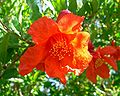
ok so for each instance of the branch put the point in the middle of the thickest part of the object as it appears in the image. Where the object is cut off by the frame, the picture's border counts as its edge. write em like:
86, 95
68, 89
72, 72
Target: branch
99, 90
17, 57
13, 62
11, 31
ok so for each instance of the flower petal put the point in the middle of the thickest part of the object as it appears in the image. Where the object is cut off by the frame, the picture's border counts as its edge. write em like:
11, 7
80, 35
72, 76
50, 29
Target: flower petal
81, 54
31, 58
107, 50
67, 60
111, 61
53, 69
90, 47
70, 23
118, 52
82, 59
42, 29
90, 72
24, 69
41, 66
103, 71
81, 40
62, 13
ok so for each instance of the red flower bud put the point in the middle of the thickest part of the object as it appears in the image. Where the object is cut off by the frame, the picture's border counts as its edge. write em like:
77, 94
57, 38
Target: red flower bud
62, 13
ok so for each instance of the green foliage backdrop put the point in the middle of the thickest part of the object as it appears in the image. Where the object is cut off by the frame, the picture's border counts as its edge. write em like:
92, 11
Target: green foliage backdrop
102, 21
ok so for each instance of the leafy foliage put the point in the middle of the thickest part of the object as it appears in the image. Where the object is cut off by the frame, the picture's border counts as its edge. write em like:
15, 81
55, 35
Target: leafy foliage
102, 21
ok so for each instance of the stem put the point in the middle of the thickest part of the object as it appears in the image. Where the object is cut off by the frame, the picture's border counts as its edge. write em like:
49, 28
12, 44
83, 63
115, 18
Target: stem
17, 57
11, 31
13, 62
99, 90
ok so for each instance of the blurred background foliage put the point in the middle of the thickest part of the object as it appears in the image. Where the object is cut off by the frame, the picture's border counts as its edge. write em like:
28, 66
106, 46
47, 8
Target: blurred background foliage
102, 21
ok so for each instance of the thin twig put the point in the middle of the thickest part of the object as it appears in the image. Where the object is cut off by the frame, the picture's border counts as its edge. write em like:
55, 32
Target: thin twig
11, 31
13, 62
99, 90
17, 57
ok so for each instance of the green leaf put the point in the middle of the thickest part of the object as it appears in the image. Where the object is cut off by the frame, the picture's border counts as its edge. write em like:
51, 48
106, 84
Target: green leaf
63, 4
72, 5
47, 84
117, 35
9, 73
93, 34
59, 4
36, 75
81, 11
3, 81
35, 9
94, 5
8, 44
15, 24
13, 41
87, 7
3, 48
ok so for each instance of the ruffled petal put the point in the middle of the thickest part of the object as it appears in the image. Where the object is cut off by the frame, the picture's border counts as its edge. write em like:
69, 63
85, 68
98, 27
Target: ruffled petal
60, 37
24, 69
81, 40
118, 52
62, 13
90, 72
42, 29
103, 71
111, 61
70, 23
107, 50
53, 69
31, 58
82, 57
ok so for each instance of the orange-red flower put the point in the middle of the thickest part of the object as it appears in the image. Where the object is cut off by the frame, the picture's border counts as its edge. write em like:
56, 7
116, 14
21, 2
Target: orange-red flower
97, 66
58, 48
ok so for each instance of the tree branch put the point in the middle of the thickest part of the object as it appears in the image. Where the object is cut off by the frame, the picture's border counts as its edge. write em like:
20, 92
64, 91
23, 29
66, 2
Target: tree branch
11, 31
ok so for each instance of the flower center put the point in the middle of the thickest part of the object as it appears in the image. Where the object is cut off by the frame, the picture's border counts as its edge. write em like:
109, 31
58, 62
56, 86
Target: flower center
59, 47
98, 62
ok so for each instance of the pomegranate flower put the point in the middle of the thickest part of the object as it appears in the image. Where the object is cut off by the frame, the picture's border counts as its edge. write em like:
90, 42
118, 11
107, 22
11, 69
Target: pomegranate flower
58, 48
97, 66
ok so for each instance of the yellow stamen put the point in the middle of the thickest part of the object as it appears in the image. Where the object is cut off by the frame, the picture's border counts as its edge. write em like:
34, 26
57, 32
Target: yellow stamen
99, 62
60, 49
